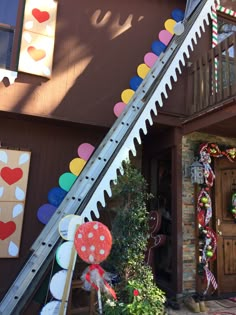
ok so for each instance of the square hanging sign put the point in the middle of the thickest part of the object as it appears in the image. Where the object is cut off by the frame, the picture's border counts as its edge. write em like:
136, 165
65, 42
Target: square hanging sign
14, 170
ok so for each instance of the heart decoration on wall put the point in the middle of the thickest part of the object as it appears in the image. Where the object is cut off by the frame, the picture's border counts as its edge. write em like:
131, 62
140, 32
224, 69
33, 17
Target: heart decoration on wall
36, 54
11, 175
14, 170
40, 16
38, 37
7, 229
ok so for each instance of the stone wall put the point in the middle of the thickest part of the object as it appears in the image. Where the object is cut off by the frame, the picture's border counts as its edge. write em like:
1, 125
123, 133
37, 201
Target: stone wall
190, 147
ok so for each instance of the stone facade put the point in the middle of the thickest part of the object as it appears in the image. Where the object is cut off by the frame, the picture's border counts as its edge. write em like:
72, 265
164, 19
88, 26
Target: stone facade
190, 147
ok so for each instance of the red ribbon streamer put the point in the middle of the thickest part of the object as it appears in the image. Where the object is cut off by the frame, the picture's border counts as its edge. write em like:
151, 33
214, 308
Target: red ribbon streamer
210, 279
101, 273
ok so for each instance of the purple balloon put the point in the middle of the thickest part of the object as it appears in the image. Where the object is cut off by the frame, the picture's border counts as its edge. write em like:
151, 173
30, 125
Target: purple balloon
45, 213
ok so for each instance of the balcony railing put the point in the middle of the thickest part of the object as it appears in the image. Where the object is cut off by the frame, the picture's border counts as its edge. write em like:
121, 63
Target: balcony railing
213, 77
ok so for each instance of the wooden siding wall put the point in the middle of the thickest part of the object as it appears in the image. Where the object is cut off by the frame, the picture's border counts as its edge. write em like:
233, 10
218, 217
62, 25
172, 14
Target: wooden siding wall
52, 147
98, 46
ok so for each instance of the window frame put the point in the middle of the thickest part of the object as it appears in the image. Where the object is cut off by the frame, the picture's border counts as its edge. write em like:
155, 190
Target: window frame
17, 31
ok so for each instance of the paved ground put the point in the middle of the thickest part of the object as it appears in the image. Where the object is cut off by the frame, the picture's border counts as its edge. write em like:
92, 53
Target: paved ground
219, 307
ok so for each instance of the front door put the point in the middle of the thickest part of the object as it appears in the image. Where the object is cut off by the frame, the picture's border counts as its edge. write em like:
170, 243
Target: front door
225, 186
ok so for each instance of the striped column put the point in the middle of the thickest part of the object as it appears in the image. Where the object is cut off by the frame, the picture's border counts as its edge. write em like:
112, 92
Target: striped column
225, 10
214, 44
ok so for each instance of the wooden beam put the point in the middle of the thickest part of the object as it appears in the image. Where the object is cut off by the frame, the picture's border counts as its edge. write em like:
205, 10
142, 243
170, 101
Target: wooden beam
210, 118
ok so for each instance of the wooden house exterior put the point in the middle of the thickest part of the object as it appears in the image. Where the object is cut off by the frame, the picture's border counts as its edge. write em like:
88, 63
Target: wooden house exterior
93, 49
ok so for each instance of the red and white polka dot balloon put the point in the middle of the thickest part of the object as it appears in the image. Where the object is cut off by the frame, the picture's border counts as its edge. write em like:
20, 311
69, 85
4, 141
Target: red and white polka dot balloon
93, 242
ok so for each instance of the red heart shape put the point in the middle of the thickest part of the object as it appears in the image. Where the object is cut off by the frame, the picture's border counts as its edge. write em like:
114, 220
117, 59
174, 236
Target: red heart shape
7, 229
11, 176
41, 16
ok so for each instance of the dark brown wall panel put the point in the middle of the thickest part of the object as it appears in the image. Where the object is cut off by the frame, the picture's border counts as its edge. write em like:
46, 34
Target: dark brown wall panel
52, 146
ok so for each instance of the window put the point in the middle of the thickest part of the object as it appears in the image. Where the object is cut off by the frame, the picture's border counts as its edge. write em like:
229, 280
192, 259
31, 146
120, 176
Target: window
10, 17
226, 27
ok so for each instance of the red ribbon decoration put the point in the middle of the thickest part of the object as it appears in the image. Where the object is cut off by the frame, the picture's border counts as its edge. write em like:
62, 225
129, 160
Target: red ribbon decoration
213, 237
204, 212
210, 279
101, 273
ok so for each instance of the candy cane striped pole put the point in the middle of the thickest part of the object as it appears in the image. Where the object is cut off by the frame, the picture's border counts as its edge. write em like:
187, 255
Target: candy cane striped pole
225, 10
214, 43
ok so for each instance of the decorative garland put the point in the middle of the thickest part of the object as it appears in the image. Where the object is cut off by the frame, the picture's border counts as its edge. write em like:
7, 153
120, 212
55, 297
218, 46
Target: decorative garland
208, 237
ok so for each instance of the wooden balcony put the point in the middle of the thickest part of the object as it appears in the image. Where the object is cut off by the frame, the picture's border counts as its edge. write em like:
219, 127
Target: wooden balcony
213, 78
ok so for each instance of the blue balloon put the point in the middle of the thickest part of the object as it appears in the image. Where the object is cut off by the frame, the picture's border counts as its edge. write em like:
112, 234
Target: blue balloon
45, 212
177, 15
56, 195
158, 47
135, 82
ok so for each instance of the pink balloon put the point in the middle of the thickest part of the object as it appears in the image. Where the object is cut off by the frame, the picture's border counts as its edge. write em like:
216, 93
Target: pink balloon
118, 108
165, 37
85, 150
150, 58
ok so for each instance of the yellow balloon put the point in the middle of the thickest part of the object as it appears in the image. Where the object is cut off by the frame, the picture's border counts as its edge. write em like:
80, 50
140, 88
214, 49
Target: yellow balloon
143, 70
169, 25
76, 166
126, 95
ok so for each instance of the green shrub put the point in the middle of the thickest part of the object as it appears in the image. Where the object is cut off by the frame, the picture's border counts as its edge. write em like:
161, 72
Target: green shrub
136, 291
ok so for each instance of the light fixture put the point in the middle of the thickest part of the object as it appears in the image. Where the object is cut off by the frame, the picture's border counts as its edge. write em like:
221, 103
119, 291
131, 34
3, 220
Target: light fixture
197, 172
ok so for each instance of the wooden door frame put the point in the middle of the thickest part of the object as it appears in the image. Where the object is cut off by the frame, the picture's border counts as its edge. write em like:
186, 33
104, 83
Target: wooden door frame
171, 140
218, 203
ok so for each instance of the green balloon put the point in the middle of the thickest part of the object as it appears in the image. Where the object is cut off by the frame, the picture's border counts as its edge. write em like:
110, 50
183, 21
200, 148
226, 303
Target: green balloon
66, 180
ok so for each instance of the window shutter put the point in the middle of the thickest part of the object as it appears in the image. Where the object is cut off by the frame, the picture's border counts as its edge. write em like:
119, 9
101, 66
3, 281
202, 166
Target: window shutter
38, 35
14, 166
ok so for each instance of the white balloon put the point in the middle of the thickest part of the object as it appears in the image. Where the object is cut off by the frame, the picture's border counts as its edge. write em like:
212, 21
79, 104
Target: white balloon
179, 28
63, 254
74, 223
67, 226
51, 308
57, 284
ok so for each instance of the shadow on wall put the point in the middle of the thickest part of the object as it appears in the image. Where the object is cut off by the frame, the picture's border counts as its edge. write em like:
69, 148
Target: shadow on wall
112, 39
